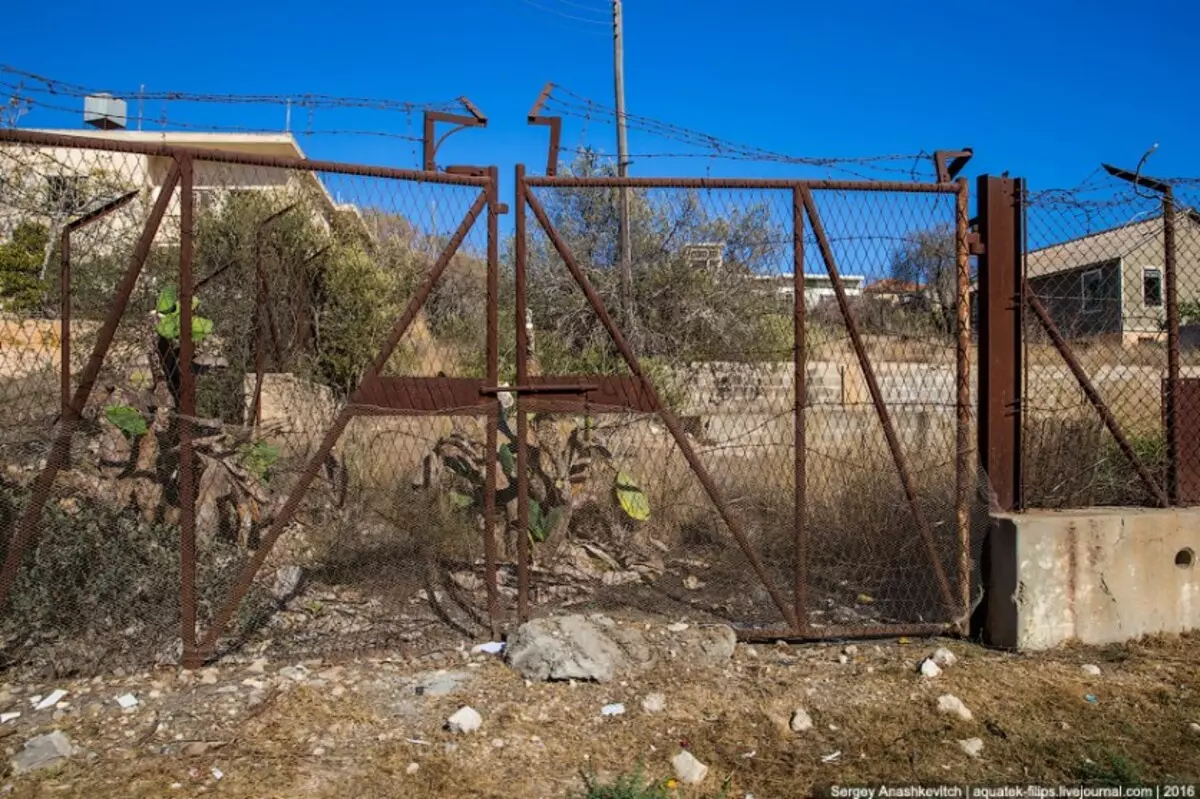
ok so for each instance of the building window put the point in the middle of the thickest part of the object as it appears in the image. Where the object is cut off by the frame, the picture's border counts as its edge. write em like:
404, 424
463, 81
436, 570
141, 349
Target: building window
1092, 284
1152, 288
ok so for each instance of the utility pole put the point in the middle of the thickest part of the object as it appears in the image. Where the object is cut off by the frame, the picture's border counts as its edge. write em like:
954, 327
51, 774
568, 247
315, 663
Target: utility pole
625, 235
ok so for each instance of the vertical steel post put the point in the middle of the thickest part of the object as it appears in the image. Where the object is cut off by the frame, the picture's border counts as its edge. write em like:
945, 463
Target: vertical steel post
1000, 320
1172, 301
187, 412
962, 461
522, 532
799, 400
493, 376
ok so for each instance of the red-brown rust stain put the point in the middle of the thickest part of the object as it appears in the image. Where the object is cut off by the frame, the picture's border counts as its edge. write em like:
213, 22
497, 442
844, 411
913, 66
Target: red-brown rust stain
1072, 568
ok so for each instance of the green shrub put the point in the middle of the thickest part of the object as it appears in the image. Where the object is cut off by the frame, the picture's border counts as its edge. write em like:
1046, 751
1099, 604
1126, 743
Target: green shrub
21, 288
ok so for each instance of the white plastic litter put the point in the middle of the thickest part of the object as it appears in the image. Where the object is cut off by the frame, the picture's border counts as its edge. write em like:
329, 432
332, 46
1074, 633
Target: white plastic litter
615, 709
490, 648
127, 701
50, 701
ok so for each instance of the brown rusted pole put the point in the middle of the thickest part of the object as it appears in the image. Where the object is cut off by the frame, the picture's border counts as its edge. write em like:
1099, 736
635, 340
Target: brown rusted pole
799, 400
520, 245
40, 491
493, 376
296, 495
187, 412
962, 461
1089, 390
885, 420
1172, 301
246, 159
668, 418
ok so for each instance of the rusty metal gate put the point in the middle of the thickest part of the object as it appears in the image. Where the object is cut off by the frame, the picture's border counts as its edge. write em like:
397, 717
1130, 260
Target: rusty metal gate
799, 469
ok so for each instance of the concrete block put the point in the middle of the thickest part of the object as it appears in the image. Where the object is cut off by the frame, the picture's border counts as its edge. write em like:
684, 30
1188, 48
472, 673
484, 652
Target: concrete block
1097, 576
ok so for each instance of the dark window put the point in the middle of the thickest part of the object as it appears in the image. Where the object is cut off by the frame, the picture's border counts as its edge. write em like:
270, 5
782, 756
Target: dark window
1152, 288
1093, 290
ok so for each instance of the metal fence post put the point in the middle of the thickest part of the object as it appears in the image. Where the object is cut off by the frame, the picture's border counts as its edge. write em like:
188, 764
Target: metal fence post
1171, 406
1000, 326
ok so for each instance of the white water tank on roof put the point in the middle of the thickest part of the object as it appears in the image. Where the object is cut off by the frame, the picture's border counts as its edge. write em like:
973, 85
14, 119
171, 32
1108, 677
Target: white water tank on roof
104, 111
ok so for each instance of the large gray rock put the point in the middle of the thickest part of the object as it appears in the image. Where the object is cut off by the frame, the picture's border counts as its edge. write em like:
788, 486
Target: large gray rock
574, 648
42, 751
711, 644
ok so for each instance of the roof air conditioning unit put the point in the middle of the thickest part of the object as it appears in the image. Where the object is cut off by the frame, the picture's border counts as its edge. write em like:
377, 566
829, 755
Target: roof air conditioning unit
104, 111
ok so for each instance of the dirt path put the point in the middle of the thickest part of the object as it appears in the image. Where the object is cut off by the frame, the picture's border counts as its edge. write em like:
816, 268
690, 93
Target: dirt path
355, 729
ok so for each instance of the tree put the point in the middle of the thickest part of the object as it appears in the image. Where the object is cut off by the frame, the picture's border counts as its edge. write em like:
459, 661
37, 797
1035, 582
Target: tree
929, 259
688, 309
21, 289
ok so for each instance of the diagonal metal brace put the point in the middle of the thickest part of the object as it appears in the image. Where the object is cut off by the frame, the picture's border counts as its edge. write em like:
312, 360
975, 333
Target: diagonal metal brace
554, 123
431, 143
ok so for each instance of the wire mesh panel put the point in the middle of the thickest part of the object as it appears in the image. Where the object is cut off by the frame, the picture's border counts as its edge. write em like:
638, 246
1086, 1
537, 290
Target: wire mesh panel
865, 529
1104, 266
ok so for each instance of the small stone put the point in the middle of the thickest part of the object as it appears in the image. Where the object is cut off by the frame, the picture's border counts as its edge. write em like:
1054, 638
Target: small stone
127, 701
338, 692
155, 694
297, 673
1194, 728
287, 580
497, 743
654, 703
194, 748
412, 769
465, 720
50, 701
953, 706
929, 668
42, 751
11, 716
800, 721
677, 627
209, 677
751, 652
843, 659
1091, 669
692, 583
1062, 725
615, 709
944, 657
850, 651
258, 666
319, 751
688, 769
972, 746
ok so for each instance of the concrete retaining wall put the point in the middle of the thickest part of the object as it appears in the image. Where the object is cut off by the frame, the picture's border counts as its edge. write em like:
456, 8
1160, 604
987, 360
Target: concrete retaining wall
1097, 576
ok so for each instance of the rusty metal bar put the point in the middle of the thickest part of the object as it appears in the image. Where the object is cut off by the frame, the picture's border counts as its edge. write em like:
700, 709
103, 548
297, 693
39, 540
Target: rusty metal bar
885, 420
1170, 276
296, 495
61, 448
543, 388
962, 461
522, 309
39, 138
187, 411
64, 284
1089, 390
490, 557
668, 418
1000, 342
573, 181
799, 401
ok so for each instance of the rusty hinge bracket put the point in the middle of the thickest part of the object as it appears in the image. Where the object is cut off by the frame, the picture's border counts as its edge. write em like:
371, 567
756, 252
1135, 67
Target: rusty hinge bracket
948, 172
461, 122
554, 123
975, 245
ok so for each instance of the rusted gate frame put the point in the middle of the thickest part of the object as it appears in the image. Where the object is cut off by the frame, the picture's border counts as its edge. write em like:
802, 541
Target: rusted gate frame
60, 450
885, 419
796, 614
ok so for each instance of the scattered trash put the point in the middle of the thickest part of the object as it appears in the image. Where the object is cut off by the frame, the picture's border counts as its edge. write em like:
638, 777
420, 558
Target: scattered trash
831, 757
903, 641
944, 657
1091, 669
952, 705
654, 703
800, 721
127, 701
750, 754
490, 648
1091, 699
416, 741
466, 719
972, 746
688, 769
615, 709
50, 701
42, 751
929, 668
217, 773
677, 627
7, 717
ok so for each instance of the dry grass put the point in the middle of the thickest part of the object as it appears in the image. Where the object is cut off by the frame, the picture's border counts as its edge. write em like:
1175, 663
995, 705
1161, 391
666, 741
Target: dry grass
1030, 711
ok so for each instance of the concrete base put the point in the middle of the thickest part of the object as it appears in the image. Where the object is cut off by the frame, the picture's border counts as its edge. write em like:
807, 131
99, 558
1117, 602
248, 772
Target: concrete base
1098, 576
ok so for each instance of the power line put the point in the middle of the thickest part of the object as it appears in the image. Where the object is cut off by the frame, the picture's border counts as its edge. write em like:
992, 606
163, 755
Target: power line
593, 9
563, 14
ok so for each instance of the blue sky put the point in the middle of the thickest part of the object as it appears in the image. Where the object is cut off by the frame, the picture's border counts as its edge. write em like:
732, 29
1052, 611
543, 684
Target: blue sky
1044, 89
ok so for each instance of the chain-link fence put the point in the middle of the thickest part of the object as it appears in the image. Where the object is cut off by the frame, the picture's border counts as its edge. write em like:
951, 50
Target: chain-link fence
1112, 270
